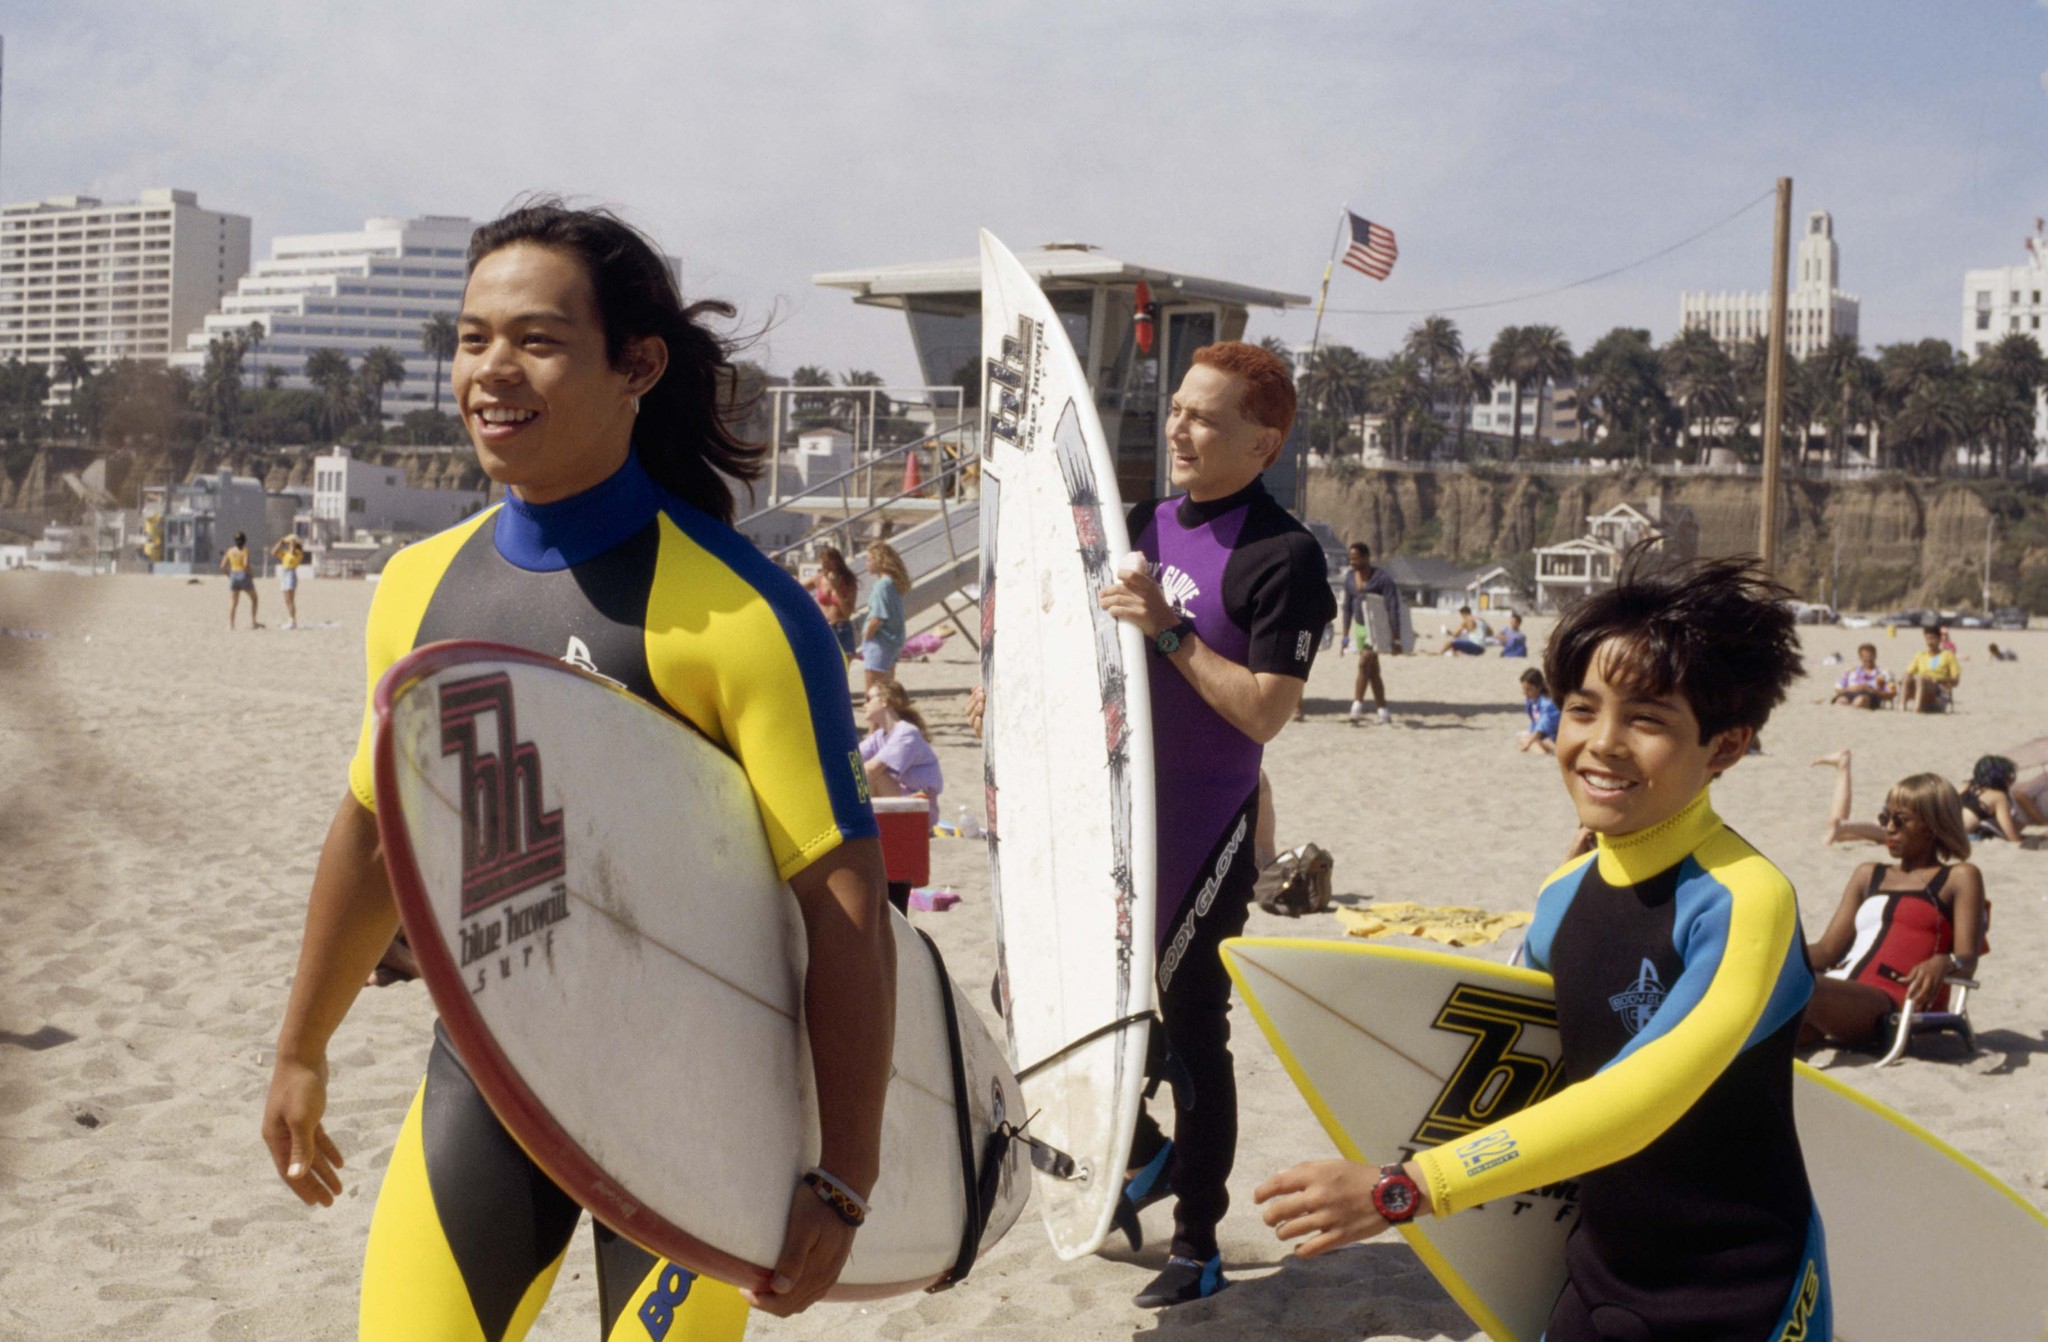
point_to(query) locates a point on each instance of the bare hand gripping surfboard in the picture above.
(588, 887)
(1068, 757)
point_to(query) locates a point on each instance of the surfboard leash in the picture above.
(1120, 1023)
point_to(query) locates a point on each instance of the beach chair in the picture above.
(1906, 1024)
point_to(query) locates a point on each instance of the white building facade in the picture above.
(2006, 301)
(129, 280)
(351, 292)
(1816, 309)
(351, 496)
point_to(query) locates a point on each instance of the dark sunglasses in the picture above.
(1904, 819)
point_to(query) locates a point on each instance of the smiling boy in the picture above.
(1681, 979)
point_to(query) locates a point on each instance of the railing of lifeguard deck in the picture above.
(938, 413)
(952, 486)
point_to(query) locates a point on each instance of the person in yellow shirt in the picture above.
(235, 563)
(1931, 676)
(289, 554)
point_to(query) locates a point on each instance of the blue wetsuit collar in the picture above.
(546, 537)
(1629, 859)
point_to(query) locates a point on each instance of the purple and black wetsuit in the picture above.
(1252, 581)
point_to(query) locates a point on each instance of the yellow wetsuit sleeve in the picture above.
(735, 645)
(1735, 952)
(407, 585)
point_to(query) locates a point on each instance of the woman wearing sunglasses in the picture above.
(1898, 932)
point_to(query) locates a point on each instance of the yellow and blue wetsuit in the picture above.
(637, 585)
(1681, 977)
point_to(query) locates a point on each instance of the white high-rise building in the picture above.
(128, 280)
(2007, 301)
(350, 292)
(1816, 310)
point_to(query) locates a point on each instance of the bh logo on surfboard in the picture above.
(510, 845)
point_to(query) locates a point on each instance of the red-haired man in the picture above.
(1235, 605)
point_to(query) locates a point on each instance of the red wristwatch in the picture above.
(1395, 1197)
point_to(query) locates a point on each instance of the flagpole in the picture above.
(1316, 337)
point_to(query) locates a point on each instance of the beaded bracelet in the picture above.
(846, 1204)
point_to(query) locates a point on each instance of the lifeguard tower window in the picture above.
(947, 332)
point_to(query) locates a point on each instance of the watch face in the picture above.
(1168, 641)
(1395, 1197)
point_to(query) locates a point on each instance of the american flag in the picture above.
(1372, 250)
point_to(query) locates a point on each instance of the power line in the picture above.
(1575, 284)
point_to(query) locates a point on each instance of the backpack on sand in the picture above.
(1297, 882)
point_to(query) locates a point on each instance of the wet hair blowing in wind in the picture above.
(1715, 632)
(683, 432)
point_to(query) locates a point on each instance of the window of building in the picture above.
(1983, 298)
(1983, 319)
(355, 505)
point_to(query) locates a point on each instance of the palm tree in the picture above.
(437, 341)
(1916, 403)
(73, 366)
(1470, 380)
(382, 367)
(1336, 385)
(1845, 384)
(1624, 391)
(1700, 378)
(1547, 359)
(220, 385)
(329, 370)
(1277, 347)
(1504, 359)
(1402, 394)
(810, 375)
(1435, 345)
(251, 338)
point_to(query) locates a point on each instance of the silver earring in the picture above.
(636, 405)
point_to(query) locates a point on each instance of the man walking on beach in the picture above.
(1361, 582)
(1235, 603)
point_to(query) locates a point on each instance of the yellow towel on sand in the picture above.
(1452, 925)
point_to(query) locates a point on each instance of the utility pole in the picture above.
(1774, 380)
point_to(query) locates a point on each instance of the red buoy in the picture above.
(1141, 320)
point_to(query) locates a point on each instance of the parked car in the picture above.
(1856, 622)
(1909, 619)
(2008, 617)
(1813, 612)
(1972, 620)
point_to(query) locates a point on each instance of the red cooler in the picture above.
(906, 838)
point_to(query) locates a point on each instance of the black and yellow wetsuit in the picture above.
(1681, 977)
(635, 584)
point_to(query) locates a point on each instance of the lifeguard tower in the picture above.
(931, 434)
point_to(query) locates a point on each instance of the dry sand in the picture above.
(164, 786)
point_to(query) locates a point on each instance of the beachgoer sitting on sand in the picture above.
(1993, 806)
(1931, 676)
(1865, 685)
(898, 759)
(1513, 642)
(1896, 934)
(1543, 715)
(1999, 654)
(1467, 639)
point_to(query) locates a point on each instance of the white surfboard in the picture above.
(1067, 749)
(1922, 1241)
(1378, 627)
(588, 887)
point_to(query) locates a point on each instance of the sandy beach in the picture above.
(165, 785)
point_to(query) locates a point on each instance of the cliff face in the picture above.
(1889, 542)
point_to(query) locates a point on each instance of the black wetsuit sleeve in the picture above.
(1277, 588)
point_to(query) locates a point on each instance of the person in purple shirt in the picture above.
(1234, 597)
(895, 755)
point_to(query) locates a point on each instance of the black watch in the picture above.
(1168, 641)
(1395, 1197)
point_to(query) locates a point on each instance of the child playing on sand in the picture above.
(1896, 933)
(1543, 715)
(1680, 975)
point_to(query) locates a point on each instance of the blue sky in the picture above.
(1512, 146)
